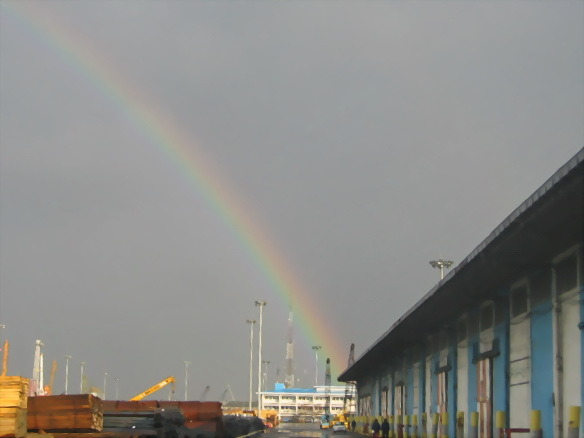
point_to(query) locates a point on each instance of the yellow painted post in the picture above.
(397, 424)
(536, 431)
(473, 431)
(434, 432)
(414, 424)
(390, 421)
(424, 425)
(406, 424)
(460, 424)
(500, 422)
(574, 422)
(444, 427)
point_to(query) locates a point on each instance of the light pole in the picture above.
(316, 348)
(441, 264)
(104, 384)
(81, 384)
(187, 363)
(251, 322)
(261, 305)
(117, 387)
(67, 373)
(266, 363)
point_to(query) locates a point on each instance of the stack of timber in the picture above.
(65, 413)
(13, 400)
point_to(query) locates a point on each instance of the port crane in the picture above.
(155, 388)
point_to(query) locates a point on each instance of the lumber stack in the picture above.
(13, 401)
(65, 413)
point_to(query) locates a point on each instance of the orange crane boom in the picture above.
(154, 388)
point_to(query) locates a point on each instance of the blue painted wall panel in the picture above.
(542, 365)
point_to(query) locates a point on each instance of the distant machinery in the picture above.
(37, 382)
(154, 388)
(349, 400)
(289, 379)
(204, 393)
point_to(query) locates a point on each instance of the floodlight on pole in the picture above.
(251, 322)
(261, 305)
(441, 264)
(316, 348)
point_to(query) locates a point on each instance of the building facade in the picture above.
(303, 404)
(498, 342)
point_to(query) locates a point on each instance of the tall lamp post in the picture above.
(266, 364)
(316, 348)
(187, 363)
(81, 384)
(441, 264)
(104, 384)
(67, 373)
(117, 388)
(261, 305)
(251, 322)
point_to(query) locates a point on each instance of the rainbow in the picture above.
(86, 59)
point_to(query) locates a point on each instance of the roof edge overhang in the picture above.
(567, 179)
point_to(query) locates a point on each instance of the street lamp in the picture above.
(316, 348)
(261, 305)
(104, 384)
(266, 363)
(187, 363)
(81, 384)
(441, 264)
(251, 322)
(67, 373)
(117, 387)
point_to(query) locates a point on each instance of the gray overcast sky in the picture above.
(366, 138)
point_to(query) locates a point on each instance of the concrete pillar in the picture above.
(473, 431)
(460, 424)
(574, 422)
(536, 431)
(500, 423)
(444, 425)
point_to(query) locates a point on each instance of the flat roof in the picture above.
(549, 221)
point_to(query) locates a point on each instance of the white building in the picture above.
(306, 404)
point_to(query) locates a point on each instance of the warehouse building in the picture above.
(499, 339)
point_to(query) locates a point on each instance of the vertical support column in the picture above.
(574, 422)
(424, 425)
(434, 432)
(406, 425)
(536, 431)
(473, 431)
(460, 424)
(390, 421)
(444, 425)
(414, 424)
(500, 423)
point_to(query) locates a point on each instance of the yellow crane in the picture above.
(154, 388)
(49, 387)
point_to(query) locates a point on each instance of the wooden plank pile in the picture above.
(13, 402)
(65, 413)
